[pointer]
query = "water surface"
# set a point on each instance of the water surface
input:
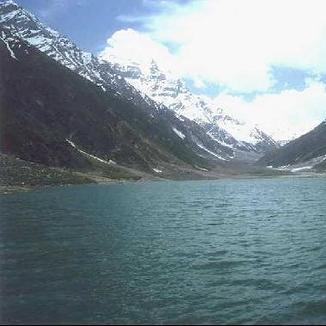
(226, 251)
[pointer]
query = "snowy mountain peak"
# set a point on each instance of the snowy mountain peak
(7, 3)
(145, 83)
(164, 87)
(26, 26)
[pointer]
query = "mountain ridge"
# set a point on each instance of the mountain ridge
(306, 152)
(26, 26)
(55, 117)
(106, 76)
(171, 91)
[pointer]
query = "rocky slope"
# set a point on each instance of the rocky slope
(304, 153)
(17, 174)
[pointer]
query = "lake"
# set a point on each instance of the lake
(227, 251)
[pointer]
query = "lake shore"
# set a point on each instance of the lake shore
(10, 189)
(17, 175)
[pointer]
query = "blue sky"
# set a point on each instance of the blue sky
(259, 58)
(87, 22)
(90, 22)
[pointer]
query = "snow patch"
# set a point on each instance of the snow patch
(90, 155)
(179, 133)
(157, 170)
(199, 168)
(302, 168)
(210, 152)
(220, 141)
(3, 38)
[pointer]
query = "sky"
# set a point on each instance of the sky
(263, 60)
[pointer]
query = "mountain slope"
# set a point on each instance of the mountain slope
(17, 174)
(165, 88)
(226, 136)
(52, 116)
(24, 25)
(308, 150)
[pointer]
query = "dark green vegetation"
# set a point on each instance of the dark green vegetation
(303, 149)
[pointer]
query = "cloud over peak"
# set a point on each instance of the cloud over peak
(236, 43)
(286, 113)
(256, 47)
(128, 45)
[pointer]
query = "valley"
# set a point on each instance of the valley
(65, 108)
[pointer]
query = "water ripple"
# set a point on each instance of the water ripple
(228, 251)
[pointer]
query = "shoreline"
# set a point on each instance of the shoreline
(11, 189)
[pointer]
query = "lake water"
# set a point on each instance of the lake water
(226, 251)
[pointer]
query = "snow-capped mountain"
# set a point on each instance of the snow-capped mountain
(220, 136)
(28, 28)
(165, 88)
(55, 117)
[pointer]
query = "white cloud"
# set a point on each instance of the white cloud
(289, 113)
(128, 45)
(236, 42)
